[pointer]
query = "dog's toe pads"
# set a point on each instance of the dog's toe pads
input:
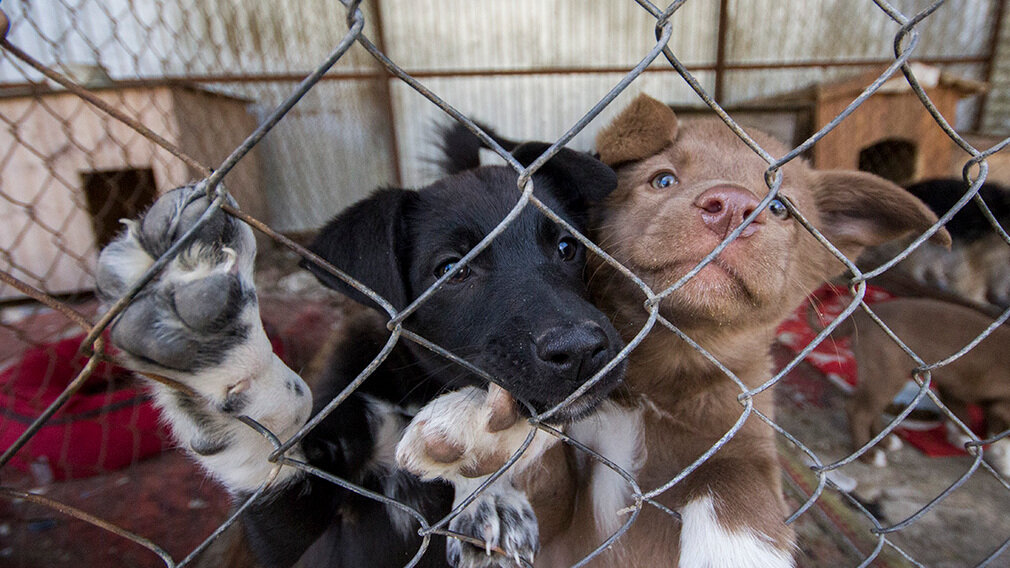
(197, 322)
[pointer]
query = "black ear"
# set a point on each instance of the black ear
(577, 174)
(461, 148)
(367, 242)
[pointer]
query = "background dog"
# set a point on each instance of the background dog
(683, 187)
(519, 310)
(976, 268)
(981, 376)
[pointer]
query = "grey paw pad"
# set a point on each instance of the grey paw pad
(142, 331)
(209, 303)
(152, 329)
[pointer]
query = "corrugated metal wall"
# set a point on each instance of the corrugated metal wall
(529, 67)
(997, 110)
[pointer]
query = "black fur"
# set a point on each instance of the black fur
(969, 224)
(461, 148)
(520, 311)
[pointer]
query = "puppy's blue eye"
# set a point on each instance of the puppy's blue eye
(567, 248)
(664, 180)
(778, 209)
(447, 267)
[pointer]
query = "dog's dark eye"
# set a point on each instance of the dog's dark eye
(567, 248)
(447, 266)
(664, 180)
(778, 209)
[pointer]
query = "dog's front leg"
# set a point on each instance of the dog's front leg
(733, 516)
(464, 437)
(197, 324)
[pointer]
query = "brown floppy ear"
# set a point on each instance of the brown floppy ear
(860, 210)
(641, 130)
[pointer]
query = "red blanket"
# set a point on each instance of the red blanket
(108, 424)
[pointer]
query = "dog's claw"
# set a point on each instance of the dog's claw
(434, 446)
(503, 519)
(197, 323)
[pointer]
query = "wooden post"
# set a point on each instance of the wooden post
(720, 51)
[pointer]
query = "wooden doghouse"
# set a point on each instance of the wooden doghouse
(70, 172)
(891, 134)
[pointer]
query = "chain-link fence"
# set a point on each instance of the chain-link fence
(82, 150)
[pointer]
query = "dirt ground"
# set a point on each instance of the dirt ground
(165, 499)
(963, 529)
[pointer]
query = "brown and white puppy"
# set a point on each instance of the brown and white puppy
(682, 188)
(981, 376)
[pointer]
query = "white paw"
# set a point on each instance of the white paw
(879, 457)
(467, 433)
(956, 436)
(197, 322)
(202, 306)
(893, 443)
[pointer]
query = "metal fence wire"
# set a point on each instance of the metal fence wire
(132, 120)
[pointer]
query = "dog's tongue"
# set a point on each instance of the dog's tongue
(504, 412)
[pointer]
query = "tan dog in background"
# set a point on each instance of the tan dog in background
(981, 376)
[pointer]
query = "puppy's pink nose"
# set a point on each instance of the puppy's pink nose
(724, 207)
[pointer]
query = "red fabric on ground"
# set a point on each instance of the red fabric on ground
(108, 424)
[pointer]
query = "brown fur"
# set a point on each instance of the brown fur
(978, 271)
(642, 133)
(987, 272)
(731, 308)
(982, 376)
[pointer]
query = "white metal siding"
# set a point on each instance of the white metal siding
(337, 146)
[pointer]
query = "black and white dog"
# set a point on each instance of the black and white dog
(519, 311)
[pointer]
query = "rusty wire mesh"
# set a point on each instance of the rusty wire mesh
(124, 119)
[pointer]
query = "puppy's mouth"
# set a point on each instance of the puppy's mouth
(542, 369)
(717, 278)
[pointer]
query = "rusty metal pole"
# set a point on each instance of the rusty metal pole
(386, 89)
(720, 52)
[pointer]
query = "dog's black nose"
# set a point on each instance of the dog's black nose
(573, 351)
